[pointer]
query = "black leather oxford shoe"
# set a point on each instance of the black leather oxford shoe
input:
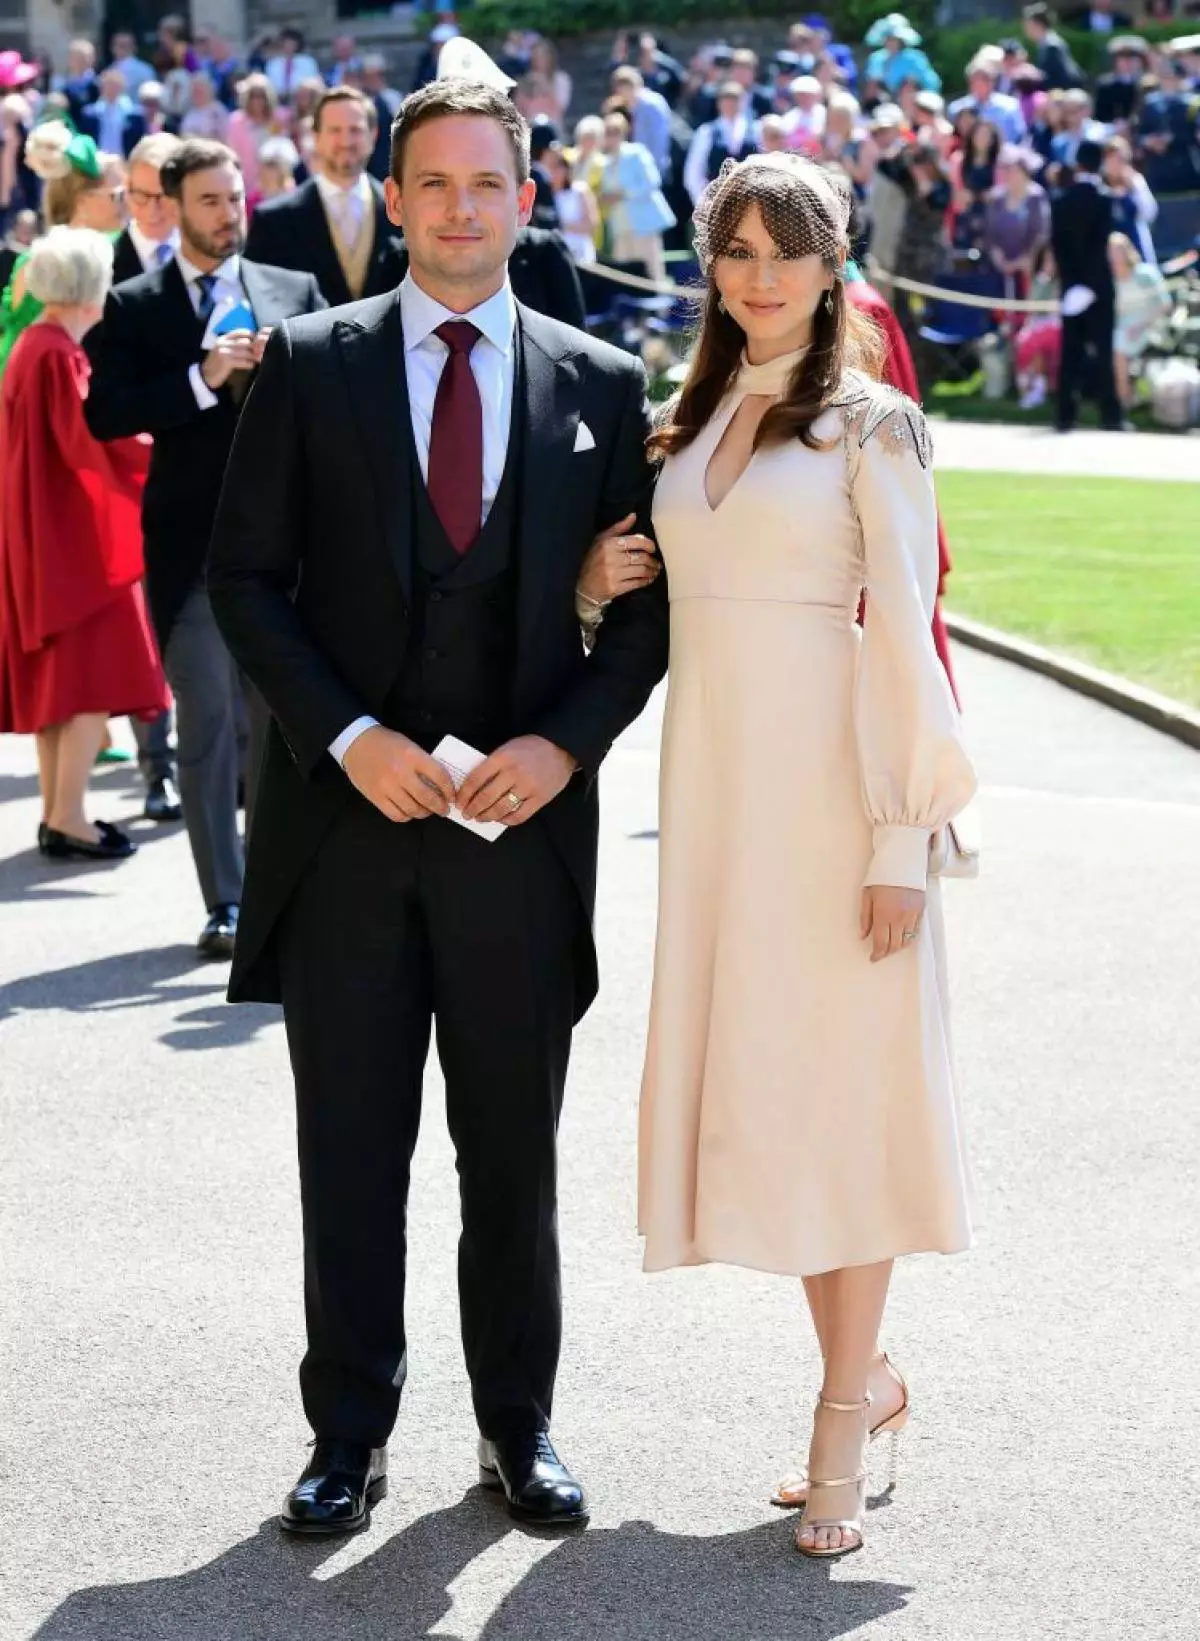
(341, 1483)
(218, 935)
(537, 1484)
(163, 801)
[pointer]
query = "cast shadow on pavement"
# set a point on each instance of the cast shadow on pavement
(29, 876)
(137, 979)
(630, 1583)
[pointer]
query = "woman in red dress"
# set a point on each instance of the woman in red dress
(899, 372)
(75, 642)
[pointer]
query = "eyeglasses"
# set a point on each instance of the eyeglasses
(143, 198)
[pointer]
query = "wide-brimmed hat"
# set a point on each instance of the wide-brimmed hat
(1012, 153)
(895, 26)
(806, 84)
(887, 116)
(15, 72)
(1129, 45)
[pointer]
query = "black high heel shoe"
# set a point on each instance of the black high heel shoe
(112, 844)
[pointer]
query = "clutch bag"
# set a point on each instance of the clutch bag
(954, 848)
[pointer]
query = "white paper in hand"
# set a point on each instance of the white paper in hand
(1077, 300)
(458, 760)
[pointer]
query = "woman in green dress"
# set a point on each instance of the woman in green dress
(84, 189)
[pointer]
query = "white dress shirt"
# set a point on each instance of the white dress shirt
(347, 207)
(493, 365)
(228, 287)
(150, 252)
(736, 133)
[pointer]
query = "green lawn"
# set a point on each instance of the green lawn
(1107, 570)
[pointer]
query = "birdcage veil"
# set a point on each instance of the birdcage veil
(806, 208)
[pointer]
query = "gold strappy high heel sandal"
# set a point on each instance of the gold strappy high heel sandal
(792, 1494)
(846, 1524)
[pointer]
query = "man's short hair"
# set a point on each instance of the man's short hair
(627, 76)
(342, 94)
(1040, 13)
(154, 151)
(445, 99)
(1089, 157)
(194, 154)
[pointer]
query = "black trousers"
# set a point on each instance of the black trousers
(394, 930)
(1087, 360)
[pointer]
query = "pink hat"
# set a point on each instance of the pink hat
(14, 72)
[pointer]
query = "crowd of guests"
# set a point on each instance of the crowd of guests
(196, 198)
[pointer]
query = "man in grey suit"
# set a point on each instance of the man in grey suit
(165, 363)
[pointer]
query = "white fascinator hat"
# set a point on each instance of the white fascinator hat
(462, 59)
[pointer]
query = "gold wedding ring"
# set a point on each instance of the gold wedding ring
(909, 934)
(514, 803)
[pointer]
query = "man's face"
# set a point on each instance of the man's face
(458, 201)
(625, 94)
(343, 144)
(122, 45)
(112, 86)
(743, 73)
(343, 48)
(981, 86)
(729, 107)
(148, 205)
(80, 61)
(212, 212)
(1127, 67)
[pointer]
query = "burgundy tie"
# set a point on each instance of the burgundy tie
(455, 478)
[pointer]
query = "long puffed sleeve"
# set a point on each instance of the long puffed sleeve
(916, 773)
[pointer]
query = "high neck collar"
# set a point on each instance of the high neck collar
(770, 379)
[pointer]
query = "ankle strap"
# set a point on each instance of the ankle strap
(844, 1407)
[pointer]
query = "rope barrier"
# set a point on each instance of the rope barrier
(879, 276)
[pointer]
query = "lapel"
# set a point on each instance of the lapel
(180, 310)
(371, 347)
(320, 254)
(551, 419)
(260, 291)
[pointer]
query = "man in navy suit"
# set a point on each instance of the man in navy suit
(113, 121)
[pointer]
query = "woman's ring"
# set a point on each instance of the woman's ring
(909, 934)
(514, 803)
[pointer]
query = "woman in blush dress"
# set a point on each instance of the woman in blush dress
(799, 1112)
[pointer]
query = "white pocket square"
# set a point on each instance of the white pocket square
(583, 438)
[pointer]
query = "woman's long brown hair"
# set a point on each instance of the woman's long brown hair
(844, 339)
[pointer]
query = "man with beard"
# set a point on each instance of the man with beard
(174, 357)
(334, 226)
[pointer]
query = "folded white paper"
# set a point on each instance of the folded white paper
(584, 438)
(1078, 299)
(458, 760)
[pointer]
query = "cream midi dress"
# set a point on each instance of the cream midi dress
(798, 1109)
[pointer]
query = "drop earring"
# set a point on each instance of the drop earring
(829, 300)
(721, 308)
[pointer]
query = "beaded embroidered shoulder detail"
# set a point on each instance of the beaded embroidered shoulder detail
(874, 407)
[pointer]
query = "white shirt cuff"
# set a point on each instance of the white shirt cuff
(205, 397)
(349, 735)
(901, 858)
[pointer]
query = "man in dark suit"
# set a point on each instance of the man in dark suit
(149, 242)
(1051, 53)
(543, 276)
(114, 121)
(411, 494)
(334, 226)
(165, 362)
(1080, 223)
(1119, 93)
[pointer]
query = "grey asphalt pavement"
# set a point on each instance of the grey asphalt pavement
(150, 1315)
